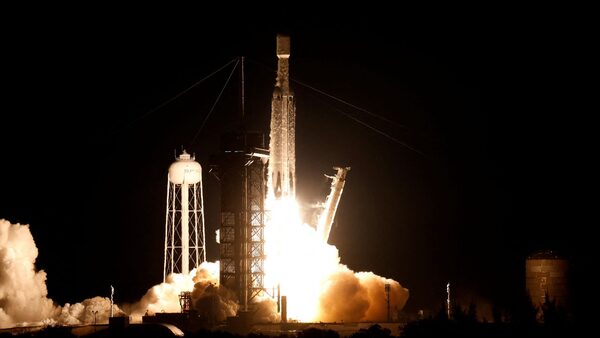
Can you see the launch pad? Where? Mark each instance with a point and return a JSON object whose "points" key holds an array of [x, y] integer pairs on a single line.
{"points": [[269, 258]]}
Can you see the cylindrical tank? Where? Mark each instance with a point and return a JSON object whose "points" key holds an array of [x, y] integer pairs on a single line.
{"points": [[185, 170], [546, 274]]}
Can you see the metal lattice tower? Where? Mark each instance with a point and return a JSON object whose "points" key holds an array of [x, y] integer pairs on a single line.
{"points": [[184, 220], [241, 170], [255, 218]]}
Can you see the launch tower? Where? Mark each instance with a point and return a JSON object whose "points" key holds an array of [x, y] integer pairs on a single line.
{"points": [[241, 169], [247, 182]]}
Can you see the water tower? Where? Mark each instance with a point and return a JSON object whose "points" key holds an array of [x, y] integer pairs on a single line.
{"points": [[546, 275], [184, 219]]}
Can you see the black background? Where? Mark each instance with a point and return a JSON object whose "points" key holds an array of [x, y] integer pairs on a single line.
{"points": [[491, 96]]}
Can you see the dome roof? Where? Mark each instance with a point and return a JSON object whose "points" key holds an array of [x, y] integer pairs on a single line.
{"points": [[545, 254], [185, 170]]}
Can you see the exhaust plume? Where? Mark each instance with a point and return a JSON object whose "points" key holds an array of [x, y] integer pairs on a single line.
{"points": [[308, 270]]}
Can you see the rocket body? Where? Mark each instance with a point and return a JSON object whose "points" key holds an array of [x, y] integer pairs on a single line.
{"points": [[282, 145]]}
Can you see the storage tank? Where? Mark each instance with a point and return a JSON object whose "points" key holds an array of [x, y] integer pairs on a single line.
{"points": [[185, 170], [184, 219], [546, 273]]}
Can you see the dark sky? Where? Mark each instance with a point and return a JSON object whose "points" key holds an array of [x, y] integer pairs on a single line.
{"points": [[491, 99]]}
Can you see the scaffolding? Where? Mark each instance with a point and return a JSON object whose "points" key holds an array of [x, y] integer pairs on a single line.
{"points": [[241, 170]]}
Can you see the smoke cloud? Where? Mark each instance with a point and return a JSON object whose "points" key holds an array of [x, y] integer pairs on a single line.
{"points": [[23, 293], [310, 273], [319, 288], [208, 298], [349, 296], [91, 310]]}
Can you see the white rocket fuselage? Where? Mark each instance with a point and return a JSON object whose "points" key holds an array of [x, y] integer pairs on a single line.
{"points": [[282, 145]]}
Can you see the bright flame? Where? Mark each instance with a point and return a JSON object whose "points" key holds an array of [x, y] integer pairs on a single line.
{"points": [[297, 259], [309, 273]]}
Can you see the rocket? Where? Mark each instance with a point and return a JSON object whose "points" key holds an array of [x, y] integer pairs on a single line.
{"points": [[282, 146]]}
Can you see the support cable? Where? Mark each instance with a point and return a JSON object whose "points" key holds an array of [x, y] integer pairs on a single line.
{"points": [[215, 103], [350, 104], [355, 119], [337, 98], [404, 144], [173, 98]]}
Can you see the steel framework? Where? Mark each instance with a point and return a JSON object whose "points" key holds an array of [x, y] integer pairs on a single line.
{"points": [[241, 170]]}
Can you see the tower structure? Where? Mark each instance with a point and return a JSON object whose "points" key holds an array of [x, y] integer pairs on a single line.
{"points": [[547, 279], [241, 170], [184, 220], [282, 145]]}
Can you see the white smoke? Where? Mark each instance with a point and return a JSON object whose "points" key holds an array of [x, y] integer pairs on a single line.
{"points": [[23, 293], [163, 297], [24, 296], [91, 310], [317, 285], [208, 298], [359, 296]]}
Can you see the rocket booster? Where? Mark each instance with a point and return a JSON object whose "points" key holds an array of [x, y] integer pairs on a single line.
{"points": [[282, 146]]}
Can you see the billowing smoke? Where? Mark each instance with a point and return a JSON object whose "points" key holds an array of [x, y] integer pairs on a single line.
{"points": [[23, 292], [348, 296], [91, 310], [318, 287], [265, 310], [163, 297], [24, 301], [375, 286], [353, 297], [208, 299]]}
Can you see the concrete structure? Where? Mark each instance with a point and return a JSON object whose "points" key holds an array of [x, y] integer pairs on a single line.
{"points": [[184, 220], [546, 274]]}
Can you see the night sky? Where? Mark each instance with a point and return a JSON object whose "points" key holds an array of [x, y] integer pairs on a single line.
{"points": [[490, 101]]}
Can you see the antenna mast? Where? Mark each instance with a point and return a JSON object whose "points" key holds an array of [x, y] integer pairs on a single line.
{"points": [[449, 306], [243, 86]]}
